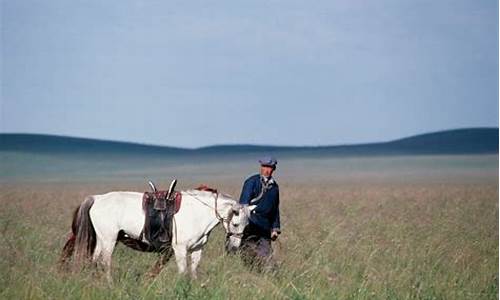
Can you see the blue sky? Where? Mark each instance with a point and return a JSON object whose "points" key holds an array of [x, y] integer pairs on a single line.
{"points": [[196, 73]]}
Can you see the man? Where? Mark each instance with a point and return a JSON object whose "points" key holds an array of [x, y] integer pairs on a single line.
{"points": [[264, 221]]}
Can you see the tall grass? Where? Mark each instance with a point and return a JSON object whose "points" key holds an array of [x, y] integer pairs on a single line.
{"points": [[356, 240]]}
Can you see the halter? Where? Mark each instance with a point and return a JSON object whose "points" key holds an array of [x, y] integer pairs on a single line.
{"points": [[237, 235]]}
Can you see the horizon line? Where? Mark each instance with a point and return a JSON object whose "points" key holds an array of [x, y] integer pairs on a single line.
{"points": [[242, 144]]}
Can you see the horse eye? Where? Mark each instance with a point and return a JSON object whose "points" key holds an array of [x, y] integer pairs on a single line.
{"points": [[236, 212]]}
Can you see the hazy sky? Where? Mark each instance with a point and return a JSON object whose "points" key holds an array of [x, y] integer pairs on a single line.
{"points": [[196, 73]]}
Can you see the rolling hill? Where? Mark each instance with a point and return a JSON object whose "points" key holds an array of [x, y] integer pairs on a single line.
{"points": [[459, 141]]}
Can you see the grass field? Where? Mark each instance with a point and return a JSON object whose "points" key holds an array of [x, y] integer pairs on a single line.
{"points": [[371, 228]]}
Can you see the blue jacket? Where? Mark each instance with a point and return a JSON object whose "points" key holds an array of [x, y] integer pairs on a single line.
{"points": [[267, 213]]}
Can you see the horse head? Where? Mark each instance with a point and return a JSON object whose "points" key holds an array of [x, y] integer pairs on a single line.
{"points": [[238, 219]]}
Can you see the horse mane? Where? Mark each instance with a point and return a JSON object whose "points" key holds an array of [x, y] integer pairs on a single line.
{"points": [[206, 188]]}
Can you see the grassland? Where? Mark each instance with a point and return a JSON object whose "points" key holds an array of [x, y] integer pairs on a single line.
{"points": [[371, 228]]}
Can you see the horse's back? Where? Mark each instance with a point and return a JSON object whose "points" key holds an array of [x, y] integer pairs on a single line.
{"points": [[117, 211]]}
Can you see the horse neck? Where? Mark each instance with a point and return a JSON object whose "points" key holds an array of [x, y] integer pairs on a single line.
{"points": [[215, 216], [211, 201]]}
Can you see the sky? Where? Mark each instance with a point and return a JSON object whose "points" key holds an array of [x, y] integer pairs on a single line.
{"points": [[198, 73]]}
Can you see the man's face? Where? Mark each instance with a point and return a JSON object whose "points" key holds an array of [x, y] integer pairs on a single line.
{"points": [[266, 171]]}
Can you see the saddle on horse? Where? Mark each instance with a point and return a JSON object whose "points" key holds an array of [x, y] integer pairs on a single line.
{"points": [[159, 208]]}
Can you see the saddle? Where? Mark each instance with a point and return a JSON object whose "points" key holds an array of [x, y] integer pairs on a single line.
{"points": [[159, 208]]}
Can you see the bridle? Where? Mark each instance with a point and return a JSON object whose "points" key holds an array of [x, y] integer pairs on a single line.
{"points": [[232, 234]]}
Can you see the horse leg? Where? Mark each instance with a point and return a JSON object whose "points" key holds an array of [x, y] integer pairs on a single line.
{"points": [[195, 260], [97, 252], [180, 259], [107, 251]]}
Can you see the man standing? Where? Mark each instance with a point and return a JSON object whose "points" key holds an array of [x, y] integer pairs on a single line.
{"points": [[264, 221]]}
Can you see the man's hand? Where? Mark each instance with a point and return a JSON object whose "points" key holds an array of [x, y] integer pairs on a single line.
{"points": [[274, 235]]}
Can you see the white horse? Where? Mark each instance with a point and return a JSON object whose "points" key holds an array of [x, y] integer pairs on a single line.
{"points": [[103, 220]]}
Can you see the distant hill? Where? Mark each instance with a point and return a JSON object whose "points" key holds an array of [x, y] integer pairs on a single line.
{"points": [[40, 143], [460, 141]]}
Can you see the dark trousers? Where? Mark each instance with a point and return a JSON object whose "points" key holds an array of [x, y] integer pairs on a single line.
{"points": [[256, 247]]}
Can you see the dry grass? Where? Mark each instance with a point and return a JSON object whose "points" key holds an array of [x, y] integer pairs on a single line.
{"points": [[358, 238]]}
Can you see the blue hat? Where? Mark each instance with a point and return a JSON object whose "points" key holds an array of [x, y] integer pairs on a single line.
{"points": [[268, 161]]}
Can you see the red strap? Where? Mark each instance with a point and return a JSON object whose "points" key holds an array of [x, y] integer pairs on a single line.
{"points": [[178, 200]]}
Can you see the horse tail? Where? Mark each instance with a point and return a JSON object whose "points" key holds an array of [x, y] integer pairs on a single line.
{"points": [[69, 247], [83, 231]]}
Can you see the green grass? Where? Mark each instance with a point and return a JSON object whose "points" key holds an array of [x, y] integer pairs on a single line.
{"points": [[355, 237]]}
